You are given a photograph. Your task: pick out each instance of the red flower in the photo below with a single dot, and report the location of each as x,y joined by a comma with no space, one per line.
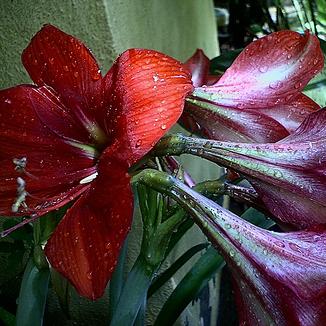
280,278
75,135
259,98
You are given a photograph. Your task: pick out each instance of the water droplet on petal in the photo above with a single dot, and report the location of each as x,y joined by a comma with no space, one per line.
65,68
163,127
89,275
297,85
138,143
263,69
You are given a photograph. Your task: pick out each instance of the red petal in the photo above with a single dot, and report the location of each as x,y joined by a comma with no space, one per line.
86,244
59,60
269,71
198,65
147,92
53,167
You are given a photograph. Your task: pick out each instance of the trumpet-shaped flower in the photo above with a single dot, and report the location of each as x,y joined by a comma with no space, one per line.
289,176
74,135
259,98
280,278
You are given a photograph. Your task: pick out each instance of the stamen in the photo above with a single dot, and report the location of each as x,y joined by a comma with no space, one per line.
20,164
89,178
17,226
21,196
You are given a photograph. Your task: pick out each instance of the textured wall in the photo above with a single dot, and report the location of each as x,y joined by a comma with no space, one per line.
108,27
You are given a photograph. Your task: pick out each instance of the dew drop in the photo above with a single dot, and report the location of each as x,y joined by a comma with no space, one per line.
8,101
275,85
89,275
232,253
163,127
76,74
295,247
263,69
297,85
65,68
138,143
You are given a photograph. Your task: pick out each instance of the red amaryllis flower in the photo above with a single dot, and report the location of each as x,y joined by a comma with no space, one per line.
289,176
75,135
259,98
280,278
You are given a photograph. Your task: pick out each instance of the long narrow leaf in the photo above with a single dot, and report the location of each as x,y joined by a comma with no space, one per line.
167,274
32,296
190,286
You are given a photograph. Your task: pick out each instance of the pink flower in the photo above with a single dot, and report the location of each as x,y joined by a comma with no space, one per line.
259,98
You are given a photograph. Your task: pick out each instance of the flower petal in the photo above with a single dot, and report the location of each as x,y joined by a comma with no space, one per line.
62,62
147,92
198,65
231,124
280,276
86,244
292,114
269,71
50,168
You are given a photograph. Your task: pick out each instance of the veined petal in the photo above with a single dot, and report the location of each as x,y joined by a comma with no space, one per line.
147,92
198,65
86,244
48,168
269,71
231,124
59,60
280,277
289,175
292,114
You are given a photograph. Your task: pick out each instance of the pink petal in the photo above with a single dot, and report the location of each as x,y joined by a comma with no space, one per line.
86,244
231,124
269,71
292,114
198,65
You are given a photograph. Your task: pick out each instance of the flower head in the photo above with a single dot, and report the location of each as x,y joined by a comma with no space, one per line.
280,278
259,98
74,135
289,176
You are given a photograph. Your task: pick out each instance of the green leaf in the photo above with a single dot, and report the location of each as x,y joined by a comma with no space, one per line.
190,286
256,217
221,63
32,296
117,280
168,273
7,318
133,294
